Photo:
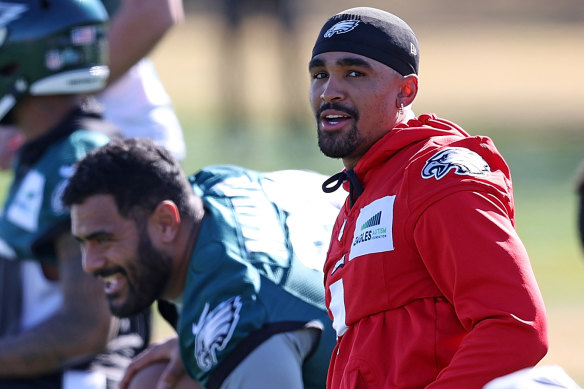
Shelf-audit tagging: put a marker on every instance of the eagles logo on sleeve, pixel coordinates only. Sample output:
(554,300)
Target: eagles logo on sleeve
(214,330)
(463,161)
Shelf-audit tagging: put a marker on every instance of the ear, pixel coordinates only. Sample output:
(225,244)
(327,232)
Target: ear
(408,91)
(165,221)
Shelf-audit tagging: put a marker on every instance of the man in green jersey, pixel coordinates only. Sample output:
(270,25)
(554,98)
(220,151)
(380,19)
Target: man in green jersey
(238,253)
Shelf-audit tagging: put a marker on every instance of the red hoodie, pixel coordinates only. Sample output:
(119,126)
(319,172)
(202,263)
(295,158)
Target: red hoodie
(427,281)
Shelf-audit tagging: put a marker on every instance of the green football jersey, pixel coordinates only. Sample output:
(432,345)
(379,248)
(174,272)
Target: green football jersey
(255,269)
(33,214)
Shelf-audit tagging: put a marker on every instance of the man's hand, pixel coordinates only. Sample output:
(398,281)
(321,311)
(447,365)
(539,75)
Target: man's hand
(164,352)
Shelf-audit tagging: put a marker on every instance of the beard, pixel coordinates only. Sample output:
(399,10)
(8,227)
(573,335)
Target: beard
(147,279)
(338,145)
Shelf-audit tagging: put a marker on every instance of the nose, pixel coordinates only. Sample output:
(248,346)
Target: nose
(332,90)
(92,259)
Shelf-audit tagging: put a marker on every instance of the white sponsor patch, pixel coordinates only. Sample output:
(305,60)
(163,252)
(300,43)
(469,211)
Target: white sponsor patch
(458,159)
(373,230)
(25,209)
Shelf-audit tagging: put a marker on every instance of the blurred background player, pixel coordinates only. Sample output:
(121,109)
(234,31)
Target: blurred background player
(134,100)
(56,329)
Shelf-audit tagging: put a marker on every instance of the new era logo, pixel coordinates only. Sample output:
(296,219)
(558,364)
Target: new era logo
(413,49)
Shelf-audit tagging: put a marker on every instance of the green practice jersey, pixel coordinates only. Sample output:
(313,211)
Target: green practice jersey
(255,269)
(33,214)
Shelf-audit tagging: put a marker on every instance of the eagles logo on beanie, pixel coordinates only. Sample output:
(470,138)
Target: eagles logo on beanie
(372,33)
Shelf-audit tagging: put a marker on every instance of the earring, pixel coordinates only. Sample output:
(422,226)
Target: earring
(401,109)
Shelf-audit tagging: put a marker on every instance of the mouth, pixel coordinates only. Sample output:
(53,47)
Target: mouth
(113,283)
(333,121)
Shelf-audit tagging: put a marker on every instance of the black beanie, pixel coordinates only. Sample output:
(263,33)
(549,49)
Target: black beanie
(372,33)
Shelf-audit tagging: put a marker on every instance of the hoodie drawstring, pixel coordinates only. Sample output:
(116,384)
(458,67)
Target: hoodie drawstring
(333,183)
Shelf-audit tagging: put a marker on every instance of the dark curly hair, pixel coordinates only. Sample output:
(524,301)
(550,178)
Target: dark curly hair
(136,172)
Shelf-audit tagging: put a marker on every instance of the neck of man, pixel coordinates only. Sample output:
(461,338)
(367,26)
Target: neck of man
(404,117)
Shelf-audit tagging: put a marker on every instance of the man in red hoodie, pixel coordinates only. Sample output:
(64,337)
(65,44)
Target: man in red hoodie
(427,282)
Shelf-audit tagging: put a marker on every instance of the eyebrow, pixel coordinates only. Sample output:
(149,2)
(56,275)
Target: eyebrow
(315,63)
(346,61)
(92,236)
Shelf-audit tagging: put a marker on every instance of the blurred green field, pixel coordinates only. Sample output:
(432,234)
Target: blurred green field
(495,79)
